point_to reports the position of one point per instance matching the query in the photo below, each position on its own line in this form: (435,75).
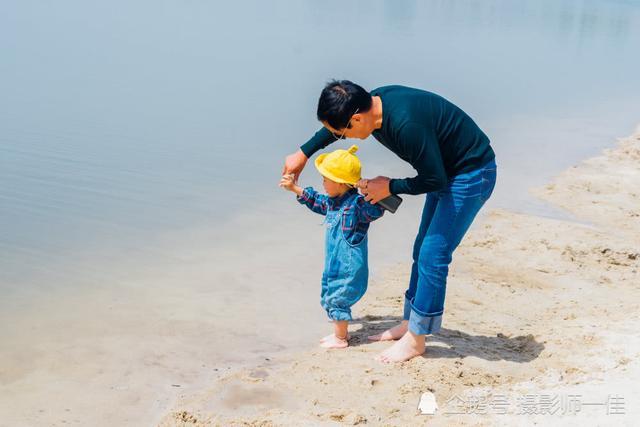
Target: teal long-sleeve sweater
(436,137)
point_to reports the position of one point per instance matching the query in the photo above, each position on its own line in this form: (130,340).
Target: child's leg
(340,329)
(339,337)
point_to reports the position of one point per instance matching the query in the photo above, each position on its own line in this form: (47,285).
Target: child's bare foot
(391,334)
(408,347)
(323,339)
(332,341)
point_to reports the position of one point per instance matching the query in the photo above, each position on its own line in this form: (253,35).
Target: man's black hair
(339,100)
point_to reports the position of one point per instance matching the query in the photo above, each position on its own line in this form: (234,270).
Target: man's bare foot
(408,347)
(392,334)
(333,341)
(330,336)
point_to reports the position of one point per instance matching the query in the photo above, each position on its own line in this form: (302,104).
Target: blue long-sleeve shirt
(436,137)
(356,217)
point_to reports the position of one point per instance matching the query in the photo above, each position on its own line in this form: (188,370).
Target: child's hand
(288,183)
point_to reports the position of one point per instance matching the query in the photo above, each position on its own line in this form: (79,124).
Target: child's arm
(315,201)
(368,212)
(318,203)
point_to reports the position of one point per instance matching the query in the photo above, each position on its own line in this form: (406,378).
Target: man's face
(358,128)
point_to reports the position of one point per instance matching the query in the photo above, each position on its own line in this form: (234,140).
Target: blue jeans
(446,217)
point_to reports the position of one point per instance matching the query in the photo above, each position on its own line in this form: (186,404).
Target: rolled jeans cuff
(424,325)
(339,314)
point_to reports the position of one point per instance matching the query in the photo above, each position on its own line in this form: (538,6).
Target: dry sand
(541,327)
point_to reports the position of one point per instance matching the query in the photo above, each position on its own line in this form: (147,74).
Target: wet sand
(540,326)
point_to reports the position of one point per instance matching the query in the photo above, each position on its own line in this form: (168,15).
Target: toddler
(346,270)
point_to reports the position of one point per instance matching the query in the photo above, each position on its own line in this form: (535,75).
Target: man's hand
(294,163)
(374,189)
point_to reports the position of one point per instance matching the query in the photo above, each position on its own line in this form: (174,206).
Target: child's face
(333,188)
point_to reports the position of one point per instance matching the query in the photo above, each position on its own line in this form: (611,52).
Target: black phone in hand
(391,203)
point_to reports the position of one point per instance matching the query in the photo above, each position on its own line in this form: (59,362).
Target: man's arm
(420,145)
(318,203)
(320,140)
(294,163)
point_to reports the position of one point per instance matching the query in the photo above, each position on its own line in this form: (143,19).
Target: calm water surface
(123,121)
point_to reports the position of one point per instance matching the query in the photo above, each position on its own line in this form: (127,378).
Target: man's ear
(356,118)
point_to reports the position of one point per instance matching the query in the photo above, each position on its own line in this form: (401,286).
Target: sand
(541,326)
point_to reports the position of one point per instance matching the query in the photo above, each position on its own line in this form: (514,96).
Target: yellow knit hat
(340,165)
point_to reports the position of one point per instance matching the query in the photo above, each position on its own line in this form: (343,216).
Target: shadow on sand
(458,344)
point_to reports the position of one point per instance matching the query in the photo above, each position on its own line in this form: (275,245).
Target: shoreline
(524,315)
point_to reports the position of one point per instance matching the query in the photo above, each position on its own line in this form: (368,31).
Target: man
(455,166)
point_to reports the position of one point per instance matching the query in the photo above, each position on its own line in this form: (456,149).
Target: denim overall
(346,271)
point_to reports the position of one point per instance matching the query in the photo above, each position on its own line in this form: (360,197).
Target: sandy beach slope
(541,326)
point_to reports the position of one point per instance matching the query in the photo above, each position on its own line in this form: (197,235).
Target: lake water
(141,145)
